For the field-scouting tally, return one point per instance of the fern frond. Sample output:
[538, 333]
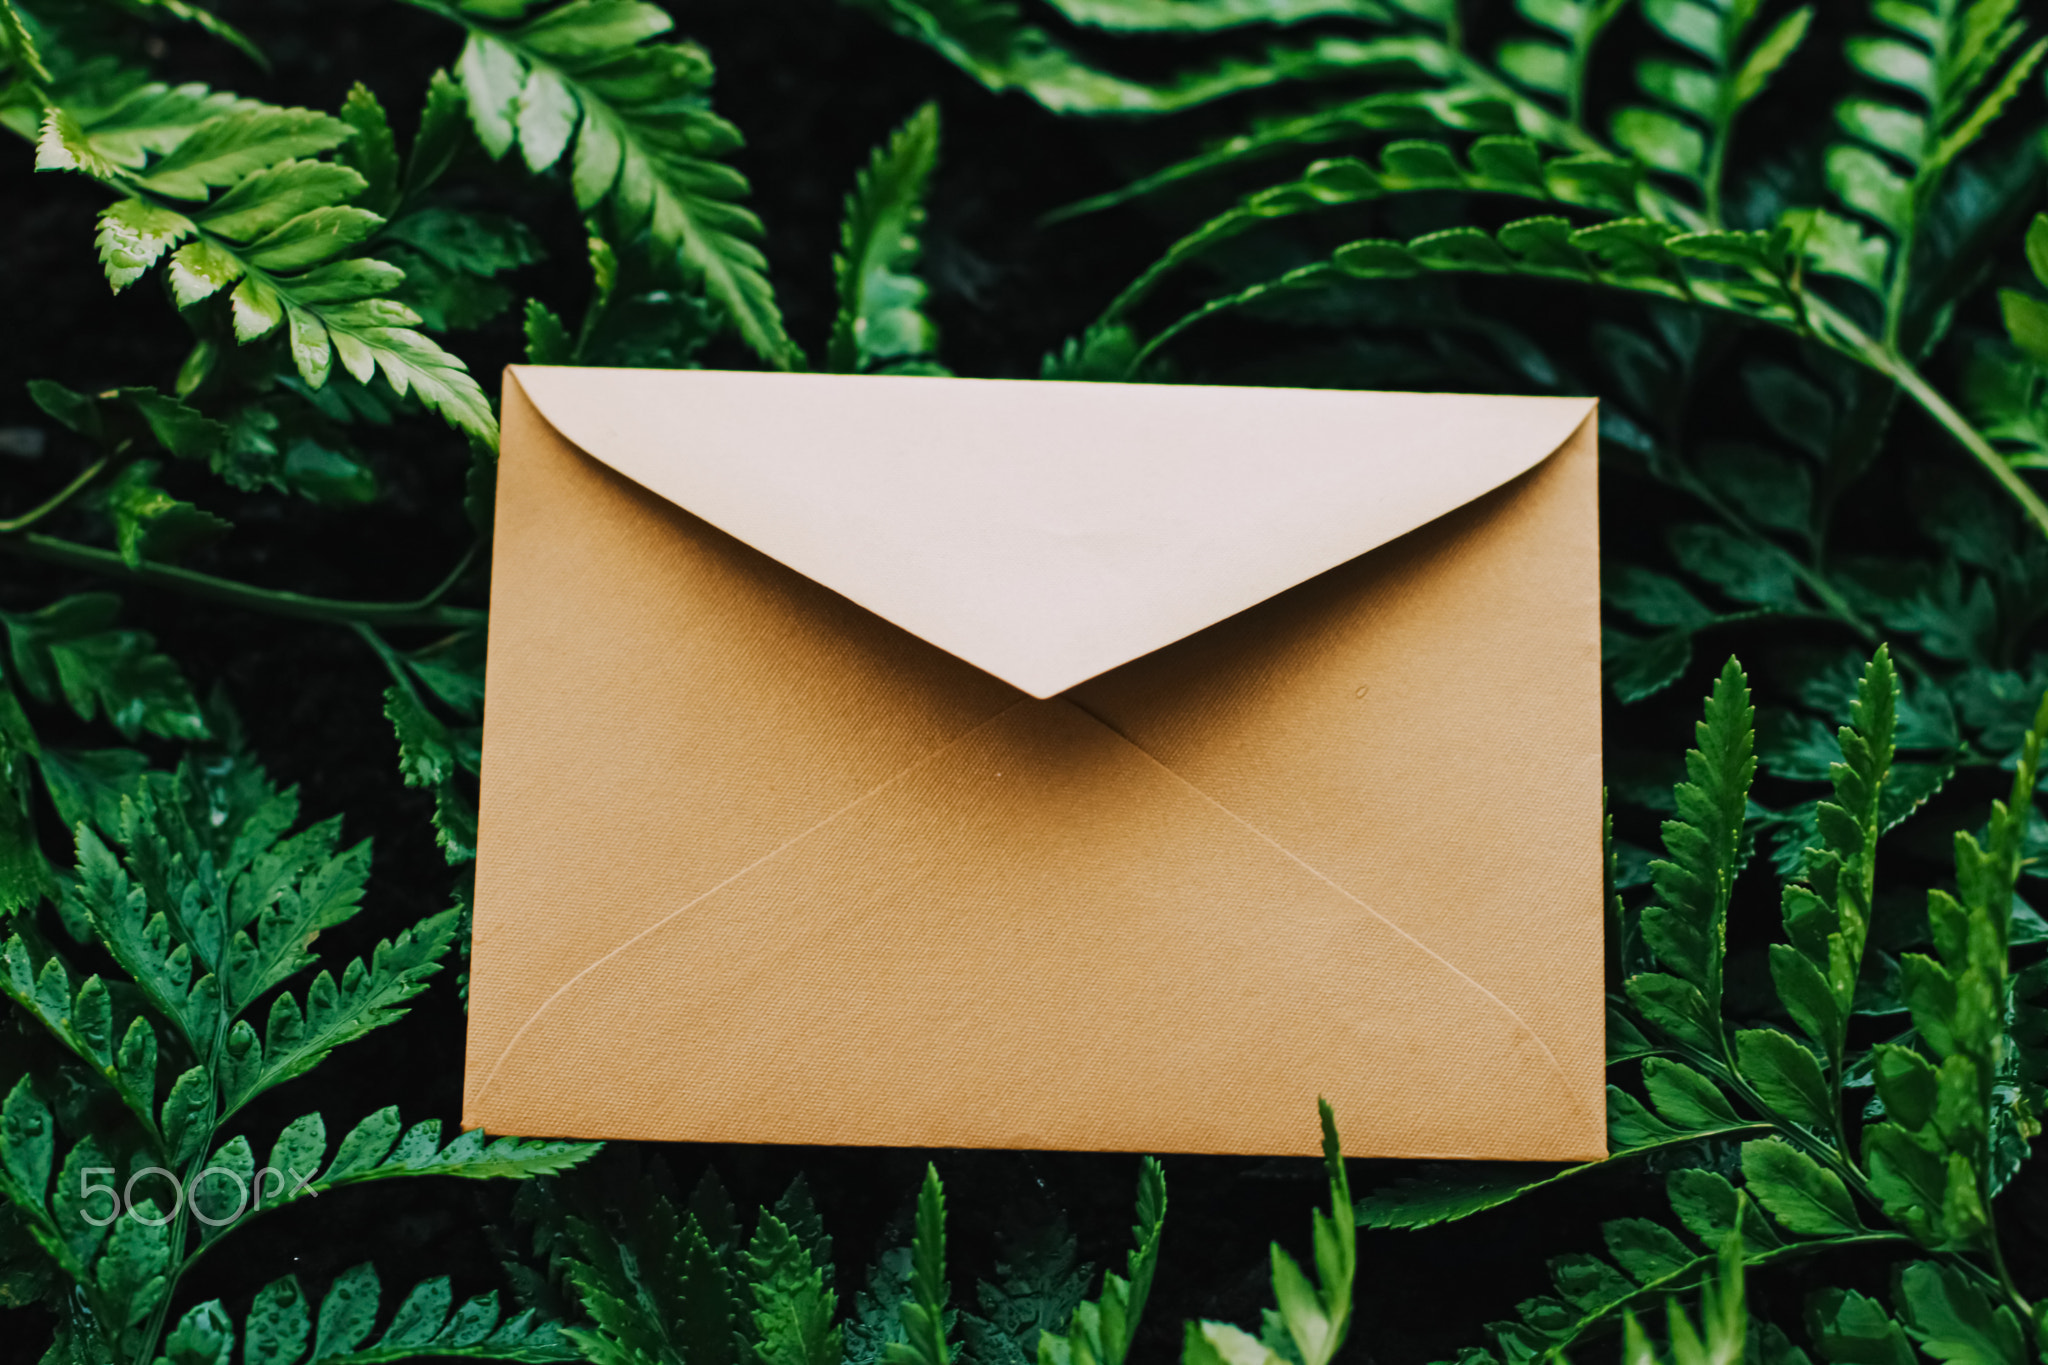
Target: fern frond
[1686, 130]
[1639, 255]
[585, 80]
[789, 1269]
[1555, 61]
[72, 653]
[143, 943]
[1687, 925]
[82, 1018]
[1930, 1162]
[367, 997]
[382, 1148]
[282, 1325]
[282, 233]
[923, 1311]
[1458, 107]
[1040, 1281]
[22, 52]
[1209, 16]
[1828, 919]
[880, 326]
[1513, 166]
[119, 1275]
[1102, 1331]
[989, 40]
[656, 1289]
[1314, 1317]
[1940, 75]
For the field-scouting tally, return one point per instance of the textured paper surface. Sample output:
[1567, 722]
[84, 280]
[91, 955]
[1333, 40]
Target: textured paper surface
[756, 864]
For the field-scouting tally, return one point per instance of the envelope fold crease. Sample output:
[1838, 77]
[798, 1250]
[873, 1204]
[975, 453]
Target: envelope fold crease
[1453, 968]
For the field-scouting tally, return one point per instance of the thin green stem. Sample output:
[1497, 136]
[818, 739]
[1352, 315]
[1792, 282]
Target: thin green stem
[1828, 1155]
[424, 611]
[55, 500]
[1687, 1274]
[1852, 341]
[2006, 1284]
[393, 664]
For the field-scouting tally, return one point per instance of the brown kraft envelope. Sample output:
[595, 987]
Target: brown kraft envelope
[981, 763]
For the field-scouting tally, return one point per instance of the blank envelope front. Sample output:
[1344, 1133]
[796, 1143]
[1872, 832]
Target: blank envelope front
[979, 763]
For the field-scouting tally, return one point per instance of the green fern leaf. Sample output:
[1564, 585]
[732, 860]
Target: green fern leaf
[1929, 70]
[1805, 1197]
[1445, 1193]
[1040, 1282]
[876, 1322]
[793, 1308]
[21, 46]
[1315, 1315]
[376, 1150]
[231, 146]
[1471, 109]
[150, 524]
[28, 1145]
[1102, 1331]
[989, 40]
[923, 1312]
[655, 1287]
[584, 81]
[1687, 926]
[281, 1322]
[278, 234]
[1554, 60]
[1954, 1320]
[1209, 16]
[296, 1039]
[82, 1018]
[1817, 973]
[880, 325]
[141, 942]
[1929, 1161]
[145, 118]
[281, 233]
[1697, 99]
[125, 418]
[373, 152]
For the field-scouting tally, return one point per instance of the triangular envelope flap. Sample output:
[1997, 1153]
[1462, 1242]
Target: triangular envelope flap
[1047, 532]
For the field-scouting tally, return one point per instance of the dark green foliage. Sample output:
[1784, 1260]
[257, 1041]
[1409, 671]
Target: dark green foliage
[661, 1283]
[1687, 927]
[879, 326]
[789, 1273]
[1923, 1169]
[201, 907]
[584, 81]
[1314, 1317]
[1102, 1331]
[923, 1308]
[1040, 1282]
[284, 1329]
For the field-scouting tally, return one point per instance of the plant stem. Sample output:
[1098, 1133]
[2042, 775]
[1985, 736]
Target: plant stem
[2005, 1281]
[55, 500]
[1853, 342]
[424, 611]
[1683, 1276]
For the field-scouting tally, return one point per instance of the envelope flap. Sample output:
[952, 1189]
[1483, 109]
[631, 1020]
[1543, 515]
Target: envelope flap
[1047, 532]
